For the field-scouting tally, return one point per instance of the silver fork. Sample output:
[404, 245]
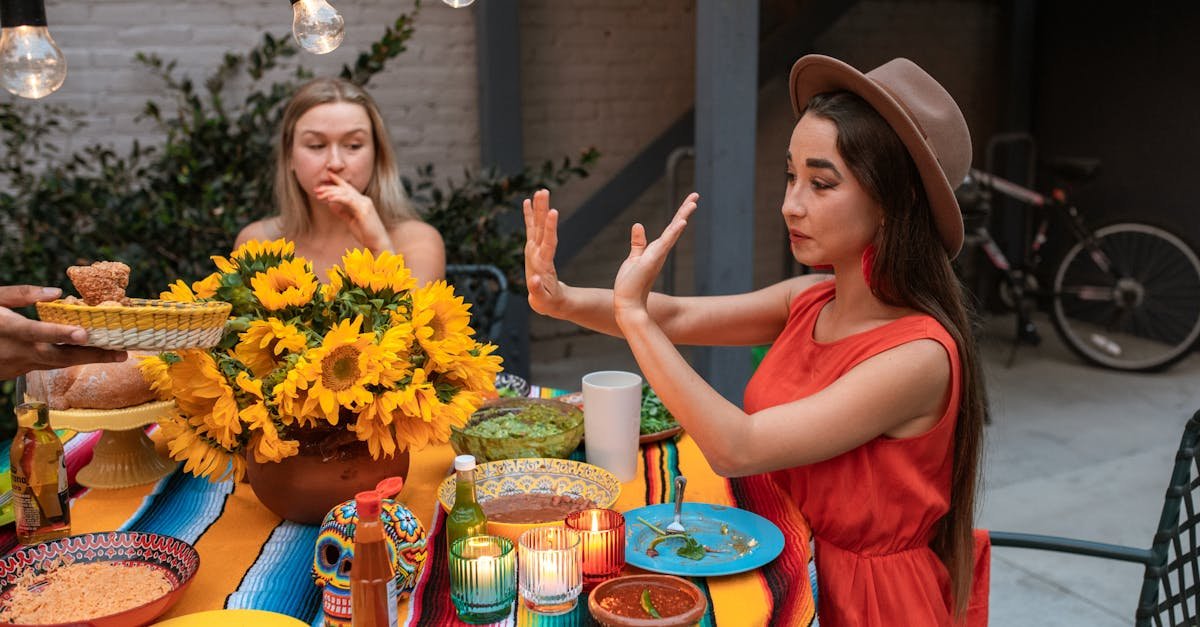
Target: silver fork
[676, 525]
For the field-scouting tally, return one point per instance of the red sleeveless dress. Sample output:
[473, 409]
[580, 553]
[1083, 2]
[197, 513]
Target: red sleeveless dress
[872, 509]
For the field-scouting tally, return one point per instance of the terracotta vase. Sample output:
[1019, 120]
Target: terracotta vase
[332, 467]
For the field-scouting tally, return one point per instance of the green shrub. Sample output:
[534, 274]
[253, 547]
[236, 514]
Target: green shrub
[165, 209]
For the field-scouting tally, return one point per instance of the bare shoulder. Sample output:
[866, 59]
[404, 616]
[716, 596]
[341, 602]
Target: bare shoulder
[916, 372]
[411, 231]
[265, 229]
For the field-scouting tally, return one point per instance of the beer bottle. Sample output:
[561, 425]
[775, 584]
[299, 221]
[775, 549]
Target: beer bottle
[39, 477]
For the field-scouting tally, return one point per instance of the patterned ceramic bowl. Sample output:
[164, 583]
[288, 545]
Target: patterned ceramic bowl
[536, 476]
[177, 560]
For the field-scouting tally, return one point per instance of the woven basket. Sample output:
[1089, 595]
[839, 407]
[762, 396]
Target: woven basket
[156, 325]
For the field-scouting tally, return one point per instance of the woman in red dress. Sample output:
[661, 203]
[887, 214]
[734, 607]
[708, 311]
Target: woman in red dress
[868, 410]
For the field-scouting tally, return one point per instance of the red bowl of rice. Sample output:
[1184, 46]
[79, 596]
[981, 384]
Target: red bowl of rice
[113, 579]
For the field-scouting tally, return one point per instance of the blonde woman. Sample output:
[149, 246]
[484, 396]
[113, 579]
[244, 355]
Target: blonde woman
[337, 187]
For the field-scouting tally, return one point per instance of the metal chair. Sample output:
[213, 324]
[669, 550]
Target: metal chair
[1171, 585]
[485, 287]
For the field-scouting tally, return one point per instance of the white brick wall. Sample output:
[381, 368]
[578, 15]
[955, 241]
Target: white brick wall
[428, 93]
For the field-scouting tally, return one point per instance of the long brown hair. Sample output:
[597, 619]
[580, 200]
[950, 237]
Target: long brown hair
[385, 189]
[912, 270]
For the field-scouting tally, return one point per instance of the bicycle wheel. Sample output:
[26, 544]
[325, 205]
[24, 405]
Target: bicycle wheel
[1132, 305]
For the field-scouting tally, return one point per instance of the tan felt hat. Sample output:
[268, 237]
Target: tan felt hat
[921, 113]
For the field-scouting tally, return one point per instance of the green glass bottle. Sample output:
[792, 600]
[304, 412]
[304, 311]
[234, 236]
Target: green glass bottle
[466, 517]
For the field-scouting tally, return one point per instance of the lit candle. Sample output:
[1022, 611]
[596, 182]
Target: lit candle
[549, 574]
[483, 582]
[603, 537]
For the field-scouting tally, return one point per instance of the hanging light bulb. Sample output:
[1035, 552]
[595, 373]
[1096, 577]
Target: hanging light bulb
[317, 26]
[31, 65]
[458, 4]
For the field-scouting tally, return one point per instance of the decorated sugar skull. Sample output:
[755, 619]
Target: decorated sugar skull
[334, 553]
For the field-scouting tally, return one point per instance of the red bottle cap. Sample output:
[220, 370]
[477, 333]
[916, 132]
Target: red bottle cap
[390, 487]
[369, 504]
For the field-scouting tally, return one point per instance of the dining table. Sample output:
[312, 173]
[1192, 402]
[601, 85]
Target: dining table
[251, 559]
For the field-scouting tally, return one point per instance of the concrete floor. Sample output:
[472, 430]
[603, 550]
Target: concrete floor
[1072, 450]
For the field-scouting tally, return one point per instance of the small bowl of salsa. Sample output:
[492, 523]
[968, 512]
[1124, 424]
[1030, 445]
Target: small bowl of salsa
[647, 601]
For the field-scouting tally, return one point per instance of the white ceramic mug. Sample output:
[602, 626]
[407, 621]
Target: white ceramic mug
[612, 412]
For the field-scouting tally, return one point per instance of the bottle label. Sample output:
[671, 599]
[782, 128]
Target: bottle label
[26, 511]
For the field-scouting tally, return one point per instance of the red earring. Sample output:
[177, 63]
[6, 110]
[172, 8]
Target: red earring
[868, 263]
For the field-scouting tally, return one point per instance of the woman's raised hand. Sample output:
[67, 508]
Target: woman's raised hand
[639, 271]
[541, 242]
[358, 211]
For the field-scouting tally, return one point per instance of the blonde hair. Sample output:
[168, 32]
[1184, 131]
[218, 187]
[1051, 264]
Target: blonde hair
[384, 189]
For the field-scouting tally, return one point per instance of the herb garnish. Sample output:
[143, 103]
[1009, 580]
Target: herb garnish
[691, 548]
[655, 417]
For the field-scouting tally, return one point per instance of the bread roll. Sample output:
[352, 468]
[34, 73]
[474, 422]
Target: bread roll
[92, 386]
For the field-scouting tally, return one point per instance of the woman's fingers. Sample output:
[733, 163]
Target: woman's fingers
[637, 240]
[14, 296]
[550, 235]
[671, 233]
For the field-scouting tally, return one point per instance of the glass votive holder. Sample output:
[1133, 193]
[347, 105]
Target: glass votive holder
[483, 578]
[602, 536]
[549, 574]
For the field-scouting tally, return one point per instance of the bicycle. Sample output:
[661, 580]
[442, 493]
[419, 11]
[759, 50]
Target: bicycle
[1124, 296]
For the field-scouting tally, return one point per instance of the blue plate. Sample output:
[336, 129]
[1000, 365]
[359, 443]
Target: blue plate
[705, 522]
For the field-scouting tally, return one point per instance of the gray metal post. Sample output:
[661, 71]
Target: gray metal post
[726, 109]
[498, 59]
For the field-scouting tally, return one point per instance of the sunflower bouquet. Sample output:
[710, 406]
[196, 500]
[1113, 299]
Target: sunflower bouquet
[369, 353]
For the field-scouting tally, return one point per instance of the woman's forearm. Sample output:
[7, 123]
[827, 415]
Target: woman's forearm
[592, 307]
[718, 426]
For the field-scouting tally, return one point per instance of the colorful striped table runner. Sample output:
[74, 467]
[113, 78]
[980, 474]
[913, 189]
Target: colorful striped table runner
[252, 559]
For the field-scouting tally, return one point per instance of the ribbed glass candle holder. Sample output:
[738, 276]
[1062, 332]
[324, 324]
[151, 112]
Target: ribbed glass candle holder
[483, 578]
[602, 538]
[549, 573]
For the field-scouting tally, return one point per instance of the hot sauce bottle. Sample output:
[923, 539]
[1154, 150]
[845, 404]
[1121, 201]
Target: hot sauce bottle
[39, 478]
[373, 594]
[466, 518]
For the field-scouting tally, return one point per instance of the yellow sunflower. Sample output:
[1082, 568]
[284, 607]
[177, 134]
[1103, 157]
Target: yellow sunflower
[395, 349]
[265, 442]
[178, 292]
[202, 393]
[475, 369]
[414, 419]
[289, 284]
[373, 425]
[441, 322]
[291, 396]
[156, 371]
[255, 250]
[334, 287]
[207, 287]
[340, 369]
[385, 272]
[223, 264]
[200, 456]
[265, 342]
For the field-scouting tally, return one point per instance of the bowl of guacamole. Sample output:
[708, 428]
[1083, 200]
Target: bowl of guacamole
[511, 428]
